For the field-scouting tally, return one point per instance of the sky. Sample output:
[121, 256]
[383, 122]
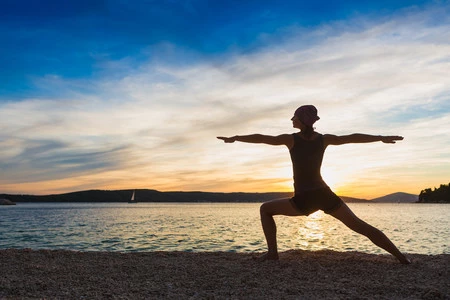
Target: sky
[132, 94]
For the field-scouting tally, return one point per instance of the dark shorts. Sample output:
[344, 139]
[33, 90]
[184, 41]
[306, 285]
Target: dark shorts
[324, 199]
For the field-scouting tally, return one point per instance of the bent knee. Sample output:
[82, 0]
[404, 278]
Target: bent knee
[263, 209]
[266, 209]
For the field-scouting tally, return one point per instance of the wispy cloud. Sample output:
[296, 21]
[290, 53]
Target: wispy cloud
[155, 125]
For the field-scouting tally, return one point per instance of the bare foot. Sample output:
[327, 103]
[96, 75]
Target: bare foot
[405, 261]
[268, 256]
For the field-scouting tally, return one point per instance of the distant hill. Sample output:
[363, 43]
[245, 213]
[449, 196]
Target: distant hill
[146, 195]
[397, 198]
[353, 200]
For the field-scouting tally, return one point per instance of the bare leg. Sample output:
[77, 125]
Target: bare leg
[267, 211]
[346, 216]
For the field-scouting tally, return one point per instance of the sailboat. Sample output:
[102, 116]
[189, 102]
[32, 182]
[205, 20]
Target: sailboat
[132, 200]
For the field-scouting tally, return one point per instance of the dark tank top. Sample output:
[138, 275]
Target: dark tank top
[306, 156]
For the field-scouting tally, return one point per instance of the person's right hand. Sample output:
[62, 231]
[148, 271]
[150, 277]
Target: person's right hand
[227, 139]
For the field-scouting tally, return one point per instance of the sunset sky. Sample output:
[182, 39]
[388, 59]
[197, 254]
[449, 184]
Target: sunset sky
[132, 94]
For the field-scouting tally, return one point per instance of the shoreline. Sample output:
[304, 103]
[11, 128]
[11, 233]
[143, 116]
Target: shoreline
[299, 274]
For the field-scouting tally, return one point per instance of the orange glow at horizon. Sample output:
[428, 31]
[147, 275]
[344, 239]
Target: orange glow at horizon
[339, 183]
[254, 178]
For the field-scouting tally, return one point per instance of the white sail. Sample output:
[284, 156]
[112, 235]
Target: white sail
[132, 198]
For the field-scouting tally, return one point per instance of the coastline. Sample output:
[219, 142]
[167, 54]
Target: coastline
[155, 196]
[299, 274]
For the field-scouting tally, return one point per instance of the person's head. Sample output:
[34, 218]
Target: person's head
[304, 118]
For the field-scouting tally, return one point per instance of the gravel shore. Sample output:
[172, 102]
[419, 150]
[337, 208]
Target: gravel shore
[61, 274]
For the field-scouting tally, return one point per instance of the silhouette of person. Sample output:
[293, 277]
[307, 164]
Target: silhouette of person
[307, 148]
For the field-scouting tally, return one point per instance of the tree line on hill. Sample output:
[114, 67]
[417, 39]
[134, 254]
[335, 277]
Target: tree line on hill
[147, 195]
[438, 195]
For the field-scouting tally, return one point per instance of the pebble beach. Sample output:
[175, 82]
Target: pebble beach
[61, 274]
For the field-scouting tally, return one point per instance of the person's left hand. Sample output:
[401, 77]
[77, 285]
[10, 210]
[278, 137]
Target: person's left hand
[391, 139]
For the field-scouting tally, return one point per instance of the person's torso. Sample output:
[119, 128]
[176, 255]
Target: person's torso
[307, 156]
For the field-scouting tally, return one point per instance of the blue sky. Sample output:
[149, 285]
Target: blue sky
[130, 94]
[73, 39]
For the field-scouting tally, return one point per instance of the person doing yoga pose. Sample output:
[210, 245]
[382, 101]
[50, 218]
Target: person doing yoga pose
[311, 193]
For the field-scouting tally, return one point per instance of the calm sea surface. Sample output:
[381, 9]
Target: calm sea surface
[230, 227]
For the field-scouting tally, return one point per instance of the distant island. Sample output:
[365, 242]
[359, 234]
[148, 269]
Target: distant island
[438, 195]
[148, 195]
[6, 202]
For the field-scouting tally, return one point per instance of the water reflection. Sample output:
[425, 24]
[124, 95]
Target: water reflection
[214, 227]
[310, 233]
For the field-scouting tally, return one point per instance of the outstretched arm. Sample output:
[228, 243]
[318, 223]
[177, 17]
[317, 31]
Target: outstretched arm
[284, 139]
[330, 139]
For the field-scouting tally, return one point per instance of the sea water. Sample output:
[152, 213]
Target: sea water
[229, 227]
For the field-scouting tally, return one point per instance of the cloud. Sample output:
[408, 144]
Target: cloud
[155, 125]
[41, 160]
